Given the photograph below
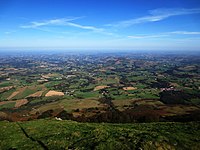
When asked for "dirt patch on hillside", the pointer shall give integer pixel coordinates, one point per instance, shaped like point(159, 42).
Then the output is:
point(36, 94)
point(13, 95)
point(100, 87)
point(54, 93)
point(129, 88)
point(3, 89)
point(21, 102)
point(18, 103)
point(16, 92)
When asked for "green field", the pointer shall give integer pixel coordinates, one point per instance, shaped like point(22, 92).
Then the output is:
point(6, 83)
point(7, 105)
point(53, 134)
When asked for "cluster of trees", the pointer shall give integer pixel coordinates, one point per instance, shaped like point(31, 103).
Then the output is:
point(178, 97)
point(112, 116)
point(127, 116)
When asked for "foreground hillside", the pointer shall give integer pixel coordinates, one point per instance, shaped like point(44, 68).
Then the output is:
point(54, 134)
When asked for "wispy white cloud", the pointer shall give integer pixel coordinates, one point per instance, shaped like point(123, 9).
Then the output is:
point(156, 15)
point(63, 22)
point(59, 21)
point(165, 34)
point(10, 32)
point(44, 26)
point(92, 28)
point(147, 36)
point(85, 27)
point(185, 33)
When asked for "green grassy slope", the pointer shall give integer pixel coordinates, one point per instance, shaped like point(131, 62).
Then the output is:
point(53, 134)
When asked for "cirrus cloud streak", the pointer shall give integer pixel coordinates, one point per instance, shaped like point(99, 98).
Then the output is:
point(155, 16)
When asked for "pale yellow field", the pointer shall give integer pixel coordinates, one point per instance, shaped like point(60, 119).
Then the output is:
point(21, 102)
point(129, 88)
point(36, 94)
point(100, 87)
point(54, 93)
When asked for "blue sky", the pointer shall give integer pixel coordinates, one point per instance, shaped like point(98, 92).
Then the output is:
point(100, 24)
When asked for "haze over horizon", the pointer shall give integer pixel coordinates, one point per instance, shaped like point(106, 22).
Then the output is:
point(100, 24)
